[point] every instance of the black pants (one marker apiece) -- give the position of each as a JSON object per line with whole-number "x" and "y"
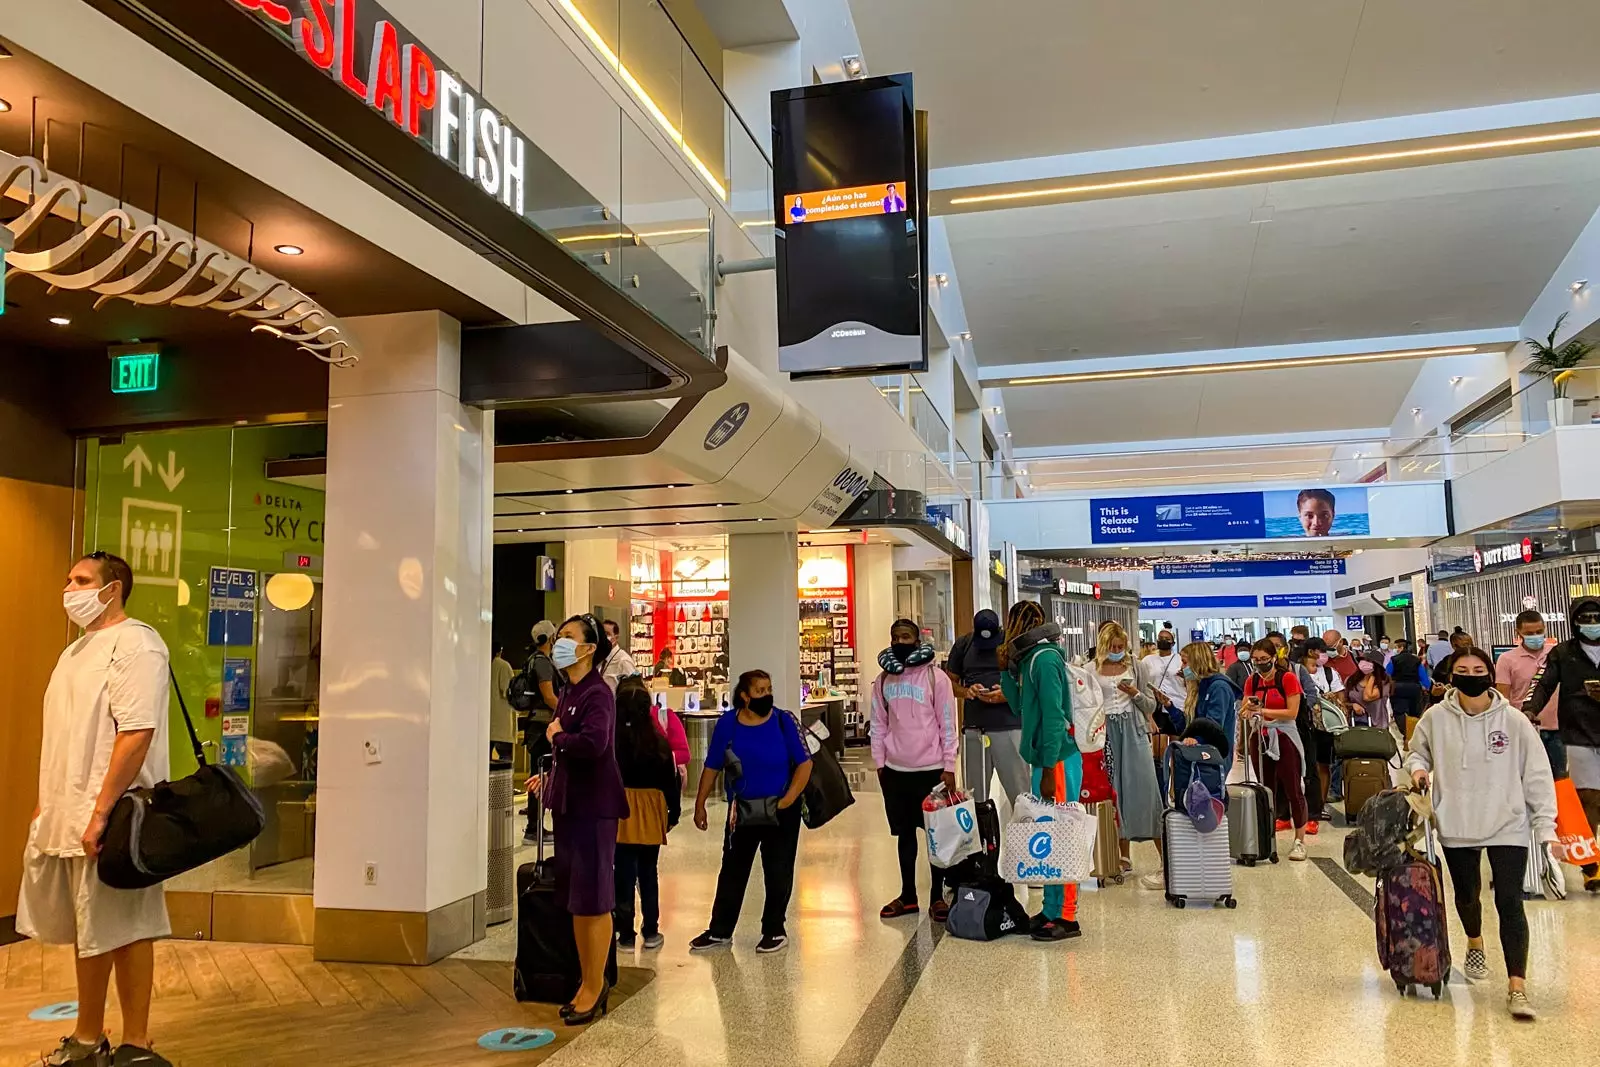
{"x": 638, "y": 865}
{"x": 778, "y": 846}
{"x": 1405, "y": 701}
{"x": 1508, "y": 864}
{"x": 907, "y": 845}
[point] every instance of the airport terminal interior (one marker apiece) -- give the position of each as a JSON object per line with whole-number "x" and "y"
{"x": 1098, "y": 504}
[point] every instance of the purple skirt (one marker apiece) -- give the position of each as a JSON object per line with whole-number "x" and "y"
{"x": 586, "y": 852}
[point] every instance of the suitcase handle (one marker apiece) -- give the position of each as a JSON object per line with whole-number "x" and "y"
{"x": 545, "y": 766}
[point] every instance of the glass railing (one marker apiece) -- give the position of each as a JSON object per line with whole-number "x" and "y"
{"x": 640, "y": 42}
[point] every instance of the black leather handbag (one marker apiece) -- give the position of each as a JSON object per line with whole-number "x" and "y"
{"x": 750, "y": 812}
{"x": 157, "y": 832}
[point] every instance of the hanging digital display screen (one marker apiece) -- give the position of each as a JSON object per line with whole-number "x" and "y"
{"x": 849, "y": 196}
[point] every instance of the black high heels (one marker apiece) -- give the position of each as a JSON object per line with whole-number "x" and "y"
{"x": 583, "y": 1018}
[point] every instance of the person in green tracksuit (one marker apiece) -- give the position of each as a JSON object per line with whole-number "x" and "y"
{"x": 1034, "y": 680}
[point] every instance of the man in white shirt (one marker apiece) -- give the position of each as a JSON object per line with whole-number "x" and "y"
{"x": 619, "y": 664}
{"x": 105, "y": 725}
{"x": 1164, "y": 669}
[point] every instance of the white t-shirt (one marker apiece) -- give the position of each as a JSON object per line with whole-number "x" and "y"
{"x": 107, "y": 682}
{"x": 618, "y": 665}
{"x": 1167, "y": 674}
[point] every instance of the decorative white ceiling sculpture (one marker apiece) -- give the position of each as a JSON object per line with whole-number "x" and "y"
{"x": 210, "y": 278}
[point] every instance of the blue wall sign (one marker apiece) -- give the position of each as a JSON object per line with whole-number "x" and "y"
{"x": 235, "y": 684}
{"x": 1276, "y": 513}
{"x": 515, "y": 1039}
{"x": 1251, "y": 568}
{"x": 231, "y": 610}
{"x": 1295, "y": 600}
{"x": 1180, "y": 603}
{"x": 1355, "y": 622}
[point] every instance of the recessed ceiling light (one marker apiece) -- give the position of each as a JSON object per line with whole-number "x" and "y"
{"x": 1416, "y": 411}
{"x": 966, "y": 335}
{"x": 569, "y": 491}
{"x": 1456, "y": 380}
{"x": 60, "y": 320}
{"x": 5, "y": 105}
{"x": 853, "y": 67}
{"x": 288, "y": 250}
{"x": 1580, "y": 285}
{"x": 1008, "y": 433}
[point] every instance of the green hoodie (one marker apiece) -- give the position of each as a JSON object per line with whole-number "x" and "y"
{"x": 1039, "y": 693}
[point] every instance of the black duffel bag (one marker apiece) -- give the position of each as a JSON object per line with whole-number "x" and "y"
{"x": 157, "y": 832}
{"x": 827, "y": 791}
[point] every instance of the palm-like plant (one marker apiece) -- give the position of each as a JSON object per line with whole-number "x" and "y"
{"x": 1549, "y": 361}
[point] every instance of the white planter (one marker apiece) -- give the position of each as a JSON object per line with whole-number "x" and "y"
{"x": 1560, "y": 411}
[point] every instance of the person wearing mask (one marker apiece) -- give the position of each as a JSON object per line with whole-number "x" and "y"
{"x": 1366, "y": 693}
{"x": 1571, "y": 674}
{"x": 1239, "y": 671}
{"x": 1036, "y": 683}
{"x": 991, "y": 732}
{"x": 1339, "y": 657}
{"x": 1279, "y": 642}
{"x": 1492, "y": 792}
{"x": 584, "y": 793}
{"x": 1438, "y": 649}
{"x": 502, "y": 716}
{"x": 1209, "y": 694}
{"x": 1514, "y": 672}
{"x": 770, "y": 760}
{"x": 650, "y": 778}
{"x": 1227, "y": 653}
{"x": 1125, "y": 695}
{"x": 104, "y": 732}
{"x": 1386, "y": 648}
{"x": 1460, "y": 641}
{"x": 1412, "y": 680}
{"x": 666, "y": 668}
{"x": 541, "y": 670}
{"x": 619, "y": 663}
{"x": 1272, "y": 698}
{"x": 913, "y": 714}
{"x": 1164, "y": 669}
{"x": 1325, "y": 683}
{"x": 1305, "y": 724}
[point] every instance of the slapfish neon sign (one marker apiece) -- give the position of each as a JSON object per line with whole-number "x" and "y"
{"x": 400, "y": 80}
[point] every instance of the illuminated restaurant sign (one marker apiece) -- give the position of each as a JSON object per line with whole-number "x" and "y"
{"x": 357, "y": 44}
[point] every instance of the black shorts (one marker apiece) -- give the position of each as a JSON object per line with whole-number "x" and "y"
{"x": 903, "y": 794}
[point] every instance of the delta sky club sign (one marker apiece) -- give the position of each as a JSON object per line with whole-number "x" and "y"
{"x": 357, "y": 44}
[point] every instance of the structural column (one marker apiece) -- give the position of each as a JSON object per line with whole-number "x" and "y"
{"x": 402, "y": 826}
{"x": 764, "y": 609}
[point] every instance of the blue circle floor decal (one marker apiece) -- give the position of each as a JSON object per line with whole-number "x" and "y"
{"x": 67, "y": 1009}
{"x": 515, "y": 1039}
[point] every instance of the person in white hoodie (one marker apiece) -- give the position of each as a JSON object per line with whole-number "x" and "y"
{"x": 1492, "y": 791}
{"x": 914, "y": 748}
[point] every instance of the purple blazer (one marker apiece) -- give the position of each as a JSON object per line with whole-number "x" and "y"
{"x": 586, "y": 781}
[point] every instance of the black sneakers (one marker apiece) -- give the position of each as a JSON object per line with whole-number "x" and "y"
{"x": 72, "y": 1051}
{"x": 134, "y": 1056}
{"x": 708, "y": 940}
{"x": 772, "y": 942}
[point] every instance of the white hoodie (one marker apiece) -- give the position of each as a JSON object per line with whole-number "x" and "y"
{"x": 1491, "y": 777}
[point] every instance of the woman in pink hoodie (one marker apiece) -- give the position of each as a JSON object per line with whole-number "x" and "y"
{"x": 914, "y": 749}
{"x": 667, "y": 724}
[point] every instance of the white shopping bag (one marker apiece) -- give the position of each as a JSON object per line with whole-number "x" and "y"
{"x": 952, "y": 833}
{"x": 1047, "y": 844}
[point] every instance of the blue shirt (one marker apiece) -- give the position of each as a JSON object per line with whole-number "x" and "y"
{"x": 768, "y": 753}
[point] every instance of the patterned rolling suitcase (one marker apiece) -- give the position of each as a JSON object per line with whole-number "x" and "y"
{"x": 1196, "y": 865}
{"x": 1107, "y": 846}
{"x": 1413, "y": 942}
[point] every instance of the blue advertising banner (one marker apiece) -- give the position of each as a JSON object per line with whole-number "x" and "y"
{"x": 1295, "y": 600}
{"x": 1279, "y": 513}
{"x": 1252, "y": 568}
{"x": 1157, "y": 602}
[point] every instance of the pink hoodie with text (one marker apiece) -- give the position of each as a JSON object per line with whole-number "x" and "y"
{"x": 914, "y": 720}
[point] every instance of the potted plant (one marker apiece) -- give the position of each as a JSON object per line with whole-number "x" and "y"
{"x": 1551, "y": 362}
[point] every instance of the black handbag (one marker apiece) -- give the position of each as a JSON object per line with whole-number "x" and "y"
{"x": 751, "y": 812}
{"x": 157, "y": 832}
{"x": 827, "y": 791}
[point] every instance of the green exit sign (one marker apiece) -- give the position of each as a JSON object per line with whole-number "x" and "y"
{"x": 135, "y": 372}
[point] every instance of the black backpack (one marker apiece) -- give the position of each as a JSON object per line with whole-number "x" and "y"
{"x": 986, "y": 912}
{"x": 523, "y": 692}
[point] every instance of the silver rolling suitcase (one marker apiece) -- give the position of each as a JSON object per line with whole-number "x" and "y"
{"x": 1197, "y": 866}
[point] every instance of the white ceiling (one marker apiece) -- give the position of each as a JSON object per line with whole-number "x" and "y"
{"x": 1167, "y": 468}
{"x": 1211, "y": 405}
{"x": 1026, "y": 78}
{"x": 1451, "y": 247}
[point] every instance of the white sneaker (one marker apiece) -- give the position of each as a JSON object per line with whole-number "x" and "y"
{"x": 1476, "y": 966}
{"x": 1298, "y": 852}
{"x": 1153, "y": 881}
{"x": 1517, "y": 1004}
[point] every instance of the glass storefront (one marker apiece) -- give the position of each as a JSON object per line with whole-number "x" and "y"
{"x": 1486, "y": 605}
{"x": 227, "y": 566}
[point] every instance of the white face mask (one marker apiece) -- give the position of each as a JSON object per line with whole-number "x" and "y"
{"x": 83, "y": 606}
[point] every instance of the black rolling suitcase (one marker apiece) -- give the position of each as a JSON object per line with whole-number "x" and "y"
{"x": 547, "y": 969}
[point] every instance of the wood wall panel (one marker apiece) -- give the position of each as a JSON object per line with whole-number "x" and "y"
{"x": 35, "y": 552}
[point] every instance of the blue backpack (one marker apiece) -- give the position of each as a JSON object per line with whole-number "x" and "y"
{"x": 1197, "y": 763}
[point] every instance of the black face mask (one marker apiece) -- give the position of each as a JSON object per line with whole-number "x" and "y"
{"x": 759, "y": 705}
{"x": 1472, "y": 685}
{"x": 1262, "y": 669}
{"x": 902, "y": 652}
{"x": 1163, "y": 647}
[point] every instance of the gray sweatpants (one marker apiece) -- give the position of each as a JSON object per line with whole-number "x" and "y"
{"x": 1003, "y": 754}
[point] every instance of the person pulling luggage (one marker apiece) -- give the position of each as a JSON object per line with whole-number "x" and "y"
{"x": 1272, "y": 697}
{"x": 1492, "y": 787}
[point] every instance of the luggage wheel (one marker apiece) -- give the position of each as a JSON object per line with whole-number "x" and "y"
{"x": 1179, "y": 902}
{"x": 1117, "y": 878}
{"x": 1247, "y": 863}
{"x": 1274, "y": 857}
{"x": 1438, "y": 990}
{"x": 1228, "y": 902}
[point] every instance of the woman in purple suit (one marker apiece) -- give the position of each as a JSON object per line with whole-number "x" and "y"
{"x": 586, "y": 797}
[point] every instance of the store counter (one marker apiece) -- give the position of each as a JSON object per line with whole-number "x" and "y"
{"x": 830, "y": 710}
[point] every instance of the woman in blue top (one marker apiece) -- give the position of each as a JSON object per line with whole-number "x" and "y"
{"x": 771, "y": 761}
{"x": 586, "y": 796}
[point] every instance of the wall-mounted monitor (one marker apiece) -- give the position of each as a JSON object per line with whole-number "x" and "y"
{"x": 850, "y": 196}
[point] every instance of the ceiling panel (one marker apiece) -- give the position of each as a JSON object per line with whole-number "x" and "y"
{"x": 1452, "y": 247}
{"x": 1045, "y": 77}
{"x": 1179, "y": 467}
